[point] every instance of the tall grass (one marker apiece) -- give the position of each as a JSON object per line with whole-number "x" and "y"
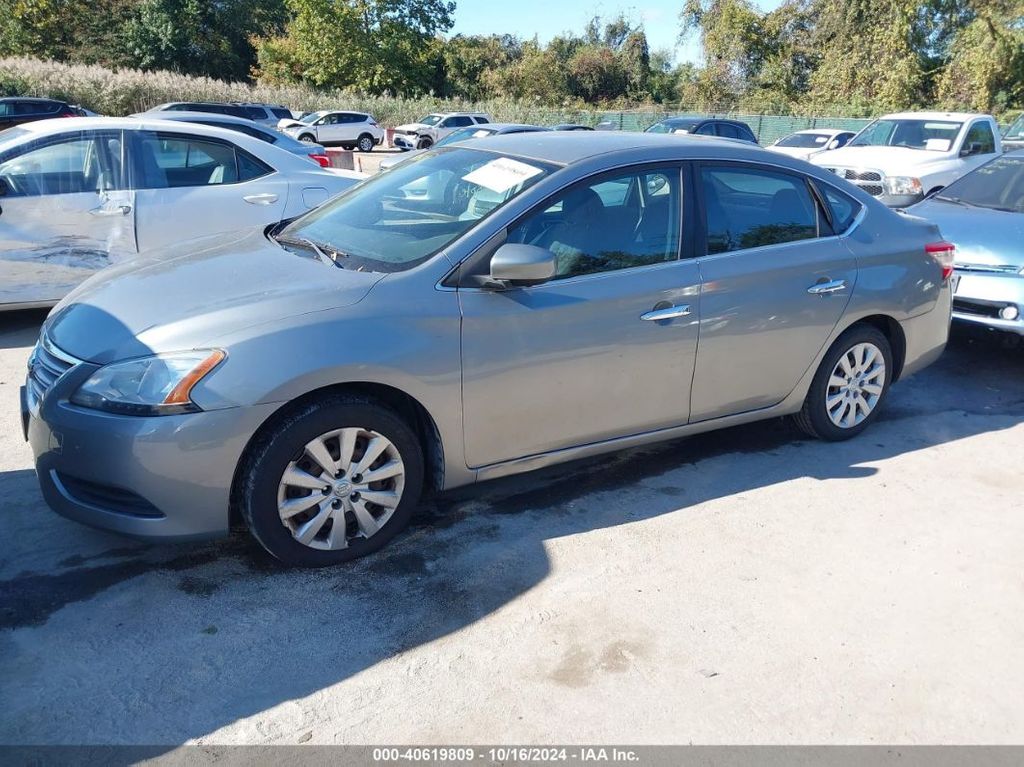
{"x": 126, "y": 91}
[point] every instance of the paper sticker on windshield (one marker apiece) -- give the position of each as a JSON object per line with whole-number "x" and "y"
{"x": 502, "y": 174}
{"x": 481, "y": 133}
{"x": 937, "y": 144}
{"x": 680, "y": 130}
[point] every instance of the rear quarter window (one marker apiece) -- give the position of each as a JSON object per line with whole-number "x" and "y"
{"x": 844, "y": 209}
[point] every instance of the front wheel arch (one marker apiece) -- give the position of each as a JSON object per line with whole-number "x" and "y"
{"x": 407, "y": 407}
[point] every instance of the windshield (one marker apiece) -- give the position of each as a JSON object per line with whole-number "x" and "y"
{"x": 462, "y": 134}
{"x": 430, "y": 120}
{"x": 805, "y": 140}
{"x": 311, "y": 117}
{"x": 398, "y": 219}
{"x": 1016, "y": 129}
{"x": 933, "y": 135}
{"x": 670, "y": 126}
{"x": 998, "y": 184}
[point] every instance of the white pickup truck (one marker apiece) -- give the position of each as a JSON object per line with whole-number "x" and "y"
{"x": 902, "y": 158}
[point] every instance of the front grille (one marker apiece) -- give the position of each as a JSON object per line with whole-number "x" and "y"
{"x": 46, "y": 366}
{"x": 107, "y": 497}
{"x": 868, "y": 180}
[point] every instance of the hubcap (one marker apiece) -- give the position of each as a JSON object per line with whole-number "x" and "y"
{"x": 855, "y": 386}
{"x": 344, "y": 485}
{"x": 365, "y": 145}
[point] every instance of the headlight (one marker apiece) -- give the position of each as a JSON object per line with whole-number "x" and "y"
{"x": 903, "y": 185}
{"x": 157, "y": 385}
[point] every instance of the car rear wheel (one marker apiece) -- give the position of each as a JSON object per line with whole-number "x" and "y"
{"x": 332, "y": 482}
{"x": 850, "y": 386}
{"x": 365, "y": 143}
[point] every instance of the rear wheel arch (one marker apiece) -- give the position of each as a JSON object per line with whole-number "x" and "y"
{"x": 893, "y": 332}
{"x": 406, "y": 407}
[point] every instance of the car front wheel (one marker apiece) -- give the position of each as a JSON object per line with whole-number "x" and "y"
{"x": 307, "y": 138}
{"x": 850, "y": 386}
{"x": 424, "y": 143}
{"x": 331, "y": 482}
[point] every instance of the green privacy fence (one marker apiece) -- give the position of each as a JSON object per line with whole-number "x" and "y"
{"x": 767, "y": 128}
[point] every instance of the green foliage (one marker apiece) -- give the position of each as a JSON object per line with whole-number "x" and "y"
{"x": 375, "y": 45}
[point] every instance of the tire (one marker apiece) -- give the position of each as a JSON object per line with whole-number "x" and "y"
{"x": 276, "y": 510}
{"x": 307, "y": 138}
{"x": 424, "y": 143}
{"x": 365, "y": 143}
{"x": 828, "y": 418}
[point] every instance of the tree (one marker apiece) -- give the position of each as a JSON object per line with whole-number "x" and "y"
{"x": 199, "y": 37}
{"x": 372, "y": 45}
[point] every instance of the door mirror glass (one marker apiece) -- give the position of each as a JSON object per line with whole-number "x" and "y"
{"x": 519, "y": 264}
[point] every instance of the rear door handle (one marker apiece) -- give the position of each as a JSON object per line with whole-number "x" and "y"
{"x": 668, "y": 313}
{"x": 117, "y": 210}
{"x": 824, "y": 288}
{"x": 260, "y": 199}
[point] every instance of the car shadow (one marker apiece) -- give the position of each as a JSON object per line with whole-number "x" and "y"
{"x": 20, "y": 328}
{"x": 189, "y": 639}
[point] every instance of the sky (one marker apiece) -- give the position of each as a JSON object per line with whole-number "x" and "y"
{"x": 548, "y": 18}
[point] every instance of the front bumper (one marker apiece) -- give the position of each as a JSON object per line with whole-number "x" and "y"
{"x": 405, "y": 140}
{"x": 981, "y": 296}
{"x": 164, "y": 477}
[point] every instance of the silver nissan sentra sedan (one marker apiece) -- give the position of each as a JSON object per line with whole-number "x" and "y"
{"x": 541, "y": 297}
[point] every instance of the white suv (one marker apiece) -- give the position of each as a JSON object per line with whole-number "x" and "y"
{"x": 434, "y": 127}
{"x": 351, "y": 130}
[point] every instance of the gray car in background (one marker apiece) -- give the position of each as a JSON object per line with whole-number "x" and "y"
{"x": 465, "y": 134}
{"x": 313, "y": 152}
{"x": 982, "y": 213}
{"x": 312, "y": 380}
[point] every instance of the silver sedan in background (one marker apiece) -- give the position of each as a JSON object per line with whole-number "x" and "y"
{"x": 78, "y": 195}
{"x": 315, "y": 378}
{"x": 313, "y": 152}
{"x": 982, "y": 213}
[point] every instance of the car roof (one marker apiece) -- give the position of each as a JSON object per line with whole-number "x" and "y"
{"x": 33, "y": 99}
{"x": 566, "y": 147}
{"x": 827, "y": 131}
{"x": 960, "y": 116}
{"x": 508, "y": 127}
{"x": 186, "y": 116}
{"x": 145, "y": 121}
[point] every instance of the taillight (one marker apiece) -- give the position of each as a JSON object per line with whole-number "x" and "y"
{"x": 943, "y": 252}
{"x": 321, "y": 160}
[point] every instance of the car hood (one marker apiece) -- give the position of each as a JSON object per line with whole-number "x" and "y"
{"x": 411, "y": 127}
{"x": 286, "y": 123}
{"x": 982, "y": 236}
{"x": 893, "y": 160}
{"x": 190, "y": 295}
{"x": 801, "y": 153}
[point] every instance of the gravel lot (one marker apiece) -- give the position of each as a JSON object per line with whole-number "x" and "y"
{"x": 742, "y": 587}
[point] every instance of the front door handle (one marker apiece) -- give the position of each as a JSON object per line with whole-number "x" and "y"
{"x": 260, "y": 199}
{"x": 117, "y": 210}
{"x": 667, "y": 313}
{"x": 824, "y": 288}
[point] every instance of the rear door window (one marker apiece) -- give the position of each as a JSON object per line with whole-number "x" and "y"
{"x": 750, "y": 207}
{"x": 168, "y": 161}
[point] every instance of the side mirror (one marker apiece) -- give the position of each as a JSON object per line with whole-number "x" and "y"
{"x": 970, "y": 149}
{"x": 516, "y": 264}
{"x": 3, "y": 188}
{"x": 833, "y": 144}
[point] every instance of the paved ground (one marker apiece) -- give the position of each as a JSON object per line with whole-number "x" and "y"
{"x": 747, "y": 587}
